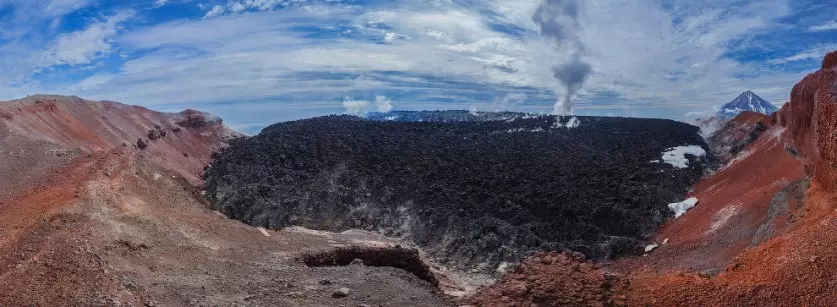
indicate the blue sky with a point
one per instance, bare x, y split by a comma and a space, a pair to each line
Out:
255, 62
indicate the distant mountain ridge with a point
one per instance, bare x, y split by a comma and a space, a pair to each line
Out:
747, 101
444, 116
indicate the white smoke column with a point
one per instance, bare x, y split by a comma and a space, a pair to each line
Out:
558, 21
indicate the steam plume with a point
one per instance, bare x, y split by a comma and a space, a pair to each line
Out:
558, 21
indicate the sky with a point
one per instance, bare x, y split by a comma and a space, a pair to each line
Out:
257, 62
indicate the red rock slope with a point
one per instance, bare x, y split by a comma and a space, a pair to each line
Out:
89, 218
185, 140
762, 233
739, 206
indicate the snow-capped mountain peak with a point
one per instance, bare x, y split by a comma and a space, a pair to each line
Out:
747, 101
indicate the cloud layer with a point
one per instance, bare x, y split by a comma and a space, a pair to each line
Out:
259, 61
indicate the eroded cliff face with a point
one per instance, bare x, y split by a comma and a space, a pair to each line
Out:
811, 120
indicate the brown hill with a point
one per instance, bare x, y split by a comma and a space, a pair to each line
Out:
99, 207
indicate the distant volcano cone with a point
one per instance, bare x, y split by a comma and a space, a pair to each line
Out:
747, 101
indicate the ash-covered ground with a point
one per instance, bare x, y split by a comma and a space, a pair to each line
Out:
474, 193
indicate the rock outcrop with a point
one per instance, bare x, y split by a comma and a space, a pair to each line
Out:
737, 134
811, 119
553, 279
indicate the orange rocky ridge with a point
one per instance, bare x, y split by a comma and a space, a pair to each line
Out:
98, 206
762, 233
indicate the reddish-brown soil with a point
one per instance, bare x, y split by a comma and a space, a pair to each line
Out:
753, 239
552, 279
99, 223
92, 126
733, 205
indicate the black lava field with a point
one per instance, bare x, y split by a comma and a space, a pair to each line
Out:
472, 193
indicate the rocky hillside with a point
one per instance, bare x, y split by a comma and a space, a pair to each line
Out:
737, 133
99, 208
41, 128
761, 235
475, 194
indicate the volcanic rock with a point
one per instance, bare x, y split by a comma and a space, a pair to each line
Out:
553, 279
811, 118
141, 143
474, 194
340, 293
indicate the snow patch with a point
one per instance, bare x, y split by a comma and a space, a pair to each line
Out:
676, 156
683, 206
651, 247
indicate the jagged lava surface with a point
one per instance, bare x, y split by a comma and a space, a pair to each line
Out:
473, 194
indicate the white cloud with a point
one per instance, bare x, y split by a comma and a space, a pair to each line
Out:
390, 37
646, 55
816, 54
237, 7
240, 6
361, 107
93, 82
62, 7
84, 46
216, 10
355, 107
828, 26
637, 49
159, 3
